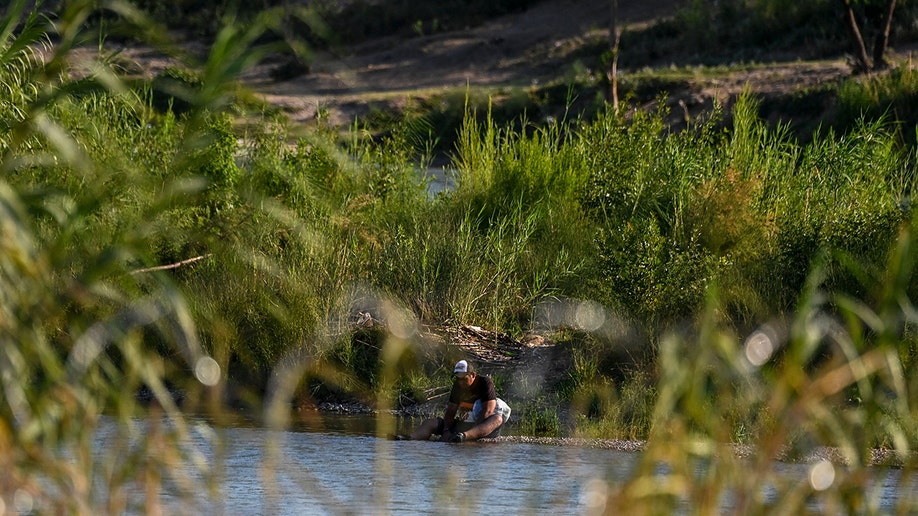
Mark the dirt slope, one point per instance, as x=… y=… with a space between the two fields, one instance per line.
x=536 y=46
x=519 y=49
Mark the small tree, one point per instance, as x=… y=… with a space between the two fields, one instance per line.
x=881 y=42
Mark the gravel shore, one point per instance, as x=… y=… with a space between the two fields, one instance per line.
x=879 y=457
x=606 y=444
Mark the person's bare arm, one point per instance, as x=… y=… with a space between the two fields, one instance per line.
x=489 y=407
x=449 y=418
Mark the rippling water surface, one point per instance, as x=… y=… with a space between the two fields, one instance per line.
x=343 y=468
x=340 y=466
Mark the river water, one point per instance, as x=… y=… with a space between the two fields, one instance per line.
x=338 y=470
x=340 y=466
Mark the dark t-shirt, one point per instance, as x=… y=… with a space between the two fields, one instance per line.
x=481 y=389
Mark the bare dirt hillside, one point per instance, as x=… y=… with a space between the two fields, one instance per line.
x=533 y=47
x=519 y=49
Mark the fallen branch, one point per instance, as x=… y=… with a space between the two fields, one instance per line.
x=175 y=265
x=431 y=398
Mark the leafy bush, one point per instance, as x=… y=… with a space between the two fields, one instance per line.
x=889 y=97
x=746 y=30
x=540 y=421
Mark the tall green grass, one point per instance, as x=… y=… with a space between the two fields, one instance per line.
x=825 y=387
x=77 y=325
x=741 y=287
x=888 y=97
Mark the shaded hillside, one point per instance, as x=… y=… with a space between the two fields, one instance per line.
x=548 y=59
x=554 y=54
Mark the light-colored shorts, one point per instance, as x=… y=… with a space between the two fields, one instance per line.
x=502 y=408
x=471 y=419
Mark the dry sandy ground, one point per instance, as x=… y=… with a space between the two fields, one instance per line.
x=519 y=49
x=530 y=47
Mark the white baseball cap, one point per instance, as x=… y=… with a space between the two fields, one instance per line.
x=462 y=367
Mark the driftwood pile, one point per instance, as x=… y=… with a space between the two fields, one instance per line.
x=490 y=348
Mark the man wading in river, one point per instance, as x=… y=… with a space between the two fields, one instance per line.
x=474 y=411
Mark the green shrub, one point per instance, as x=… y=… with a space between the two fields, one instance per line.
x=887 y=97
x=537 y=420
x=745 y=30
x=173 y=90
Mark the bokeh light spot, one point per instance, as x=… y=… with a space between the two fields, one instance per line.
x=822 y=475
x=23 y=501
x=595 y=495
x=402 y=323
x=589 y=315
x=760 y=346
x=207 y=371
